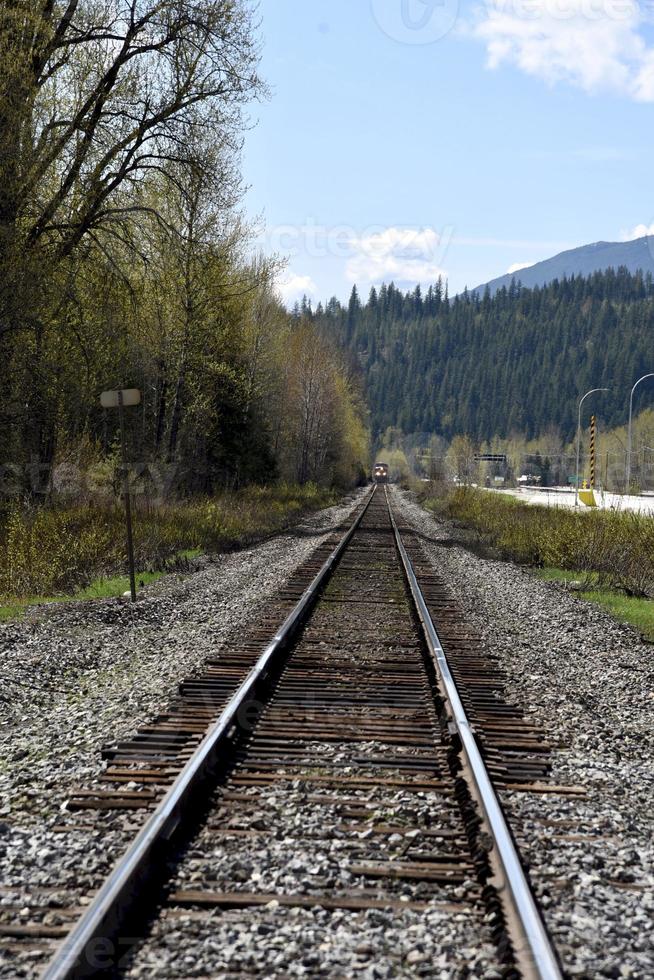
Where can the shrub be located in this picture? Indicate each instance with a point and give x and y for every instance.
(45, 551)
(615, 547)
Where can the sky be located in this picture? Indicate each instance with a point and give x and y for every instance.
(407, 139)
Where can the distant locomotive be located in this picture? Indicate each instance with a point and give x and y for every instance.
(380, 473)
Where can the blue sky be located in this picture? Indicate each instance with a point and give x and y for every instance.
(407, 137)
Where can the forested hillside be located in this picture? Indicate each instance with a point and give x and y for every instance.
(492, 366)
(636, 255)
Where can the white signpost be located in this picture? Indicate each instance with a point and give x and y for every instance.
(112, 399)
(121, 399)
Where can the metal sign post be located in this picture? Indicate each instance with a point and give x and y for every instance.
(119, 400)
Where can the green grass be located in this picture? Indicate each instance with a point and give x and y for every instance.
(565, 575)
(105, 588)
(610, 553)
(59, 550)
(638, 613)
(102, 588)
(635, 611)
(615, 549)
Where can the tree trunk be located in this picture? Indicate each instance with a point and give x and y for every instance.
(161, 406)
(176, 416)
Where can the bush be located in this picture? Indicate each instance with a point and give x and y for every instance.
(45, 551)
(615, 547)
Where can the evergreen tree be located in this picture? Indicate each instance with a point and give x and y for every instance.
(487, 365)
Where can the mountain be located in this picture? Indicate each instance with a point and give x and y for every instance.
(633, 256)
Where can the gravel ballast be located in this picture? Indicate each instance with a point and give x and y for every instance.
(304, 852)
(588, 681)
(78, 676)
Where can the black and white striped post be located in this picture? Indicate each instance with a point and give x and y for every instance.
(593, 433)
(581, 401)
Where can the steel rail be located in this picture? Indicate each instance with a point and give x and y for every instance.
(91, 947)
(532, 945)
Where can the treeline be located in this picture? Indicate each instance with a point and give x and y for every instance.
(124, 261)
(495, 366)
(546, 460)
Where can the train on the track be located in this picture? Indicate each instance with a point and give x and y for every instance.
(380, 473)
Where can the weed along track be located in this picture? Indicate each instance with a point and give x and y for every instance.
(318, 802)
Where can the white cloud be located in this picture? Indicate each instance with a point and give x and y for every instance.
(517, 266)
(596, 45)
(638, 232)
(406, 256)
(293, 287)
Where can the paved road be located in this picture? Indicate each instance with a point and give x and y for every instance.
(564, 497)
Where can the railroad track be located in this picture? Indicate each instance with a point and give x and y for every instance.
(342, 763)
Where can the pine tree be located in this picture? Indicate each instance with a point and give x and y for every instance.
(487, 365)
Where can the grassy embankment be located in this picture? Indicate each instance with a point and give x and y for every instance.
(78, 552)
(611, 553)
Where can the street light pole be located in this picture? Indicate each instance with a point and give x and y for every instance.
(631, 405)
(581, 401)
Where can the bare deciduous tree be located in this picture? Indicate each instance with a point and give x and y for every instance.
(96, 98)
